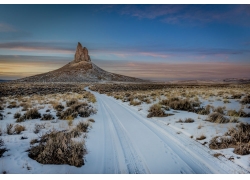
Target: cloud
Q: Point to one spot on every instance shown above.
(38, 46)
(178, 14)
(178, 71)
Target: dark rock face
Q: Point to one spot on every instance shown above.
(81, 54)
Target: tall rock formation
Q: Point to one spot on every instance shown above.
(81, 69)
(81, 54)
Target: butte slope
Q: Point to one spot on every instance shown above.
(81, 69)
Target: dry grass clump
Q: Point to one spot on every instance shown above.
(178, 104)
(216, 117)
(156, 111)
(30, 114)
(17, 115)
(13, 104)
(25, 106)
(71, 102)
(135, 103)
(246, 100)
(2, 150)
(58, 148)
(219, 109)
(236, 96)
(239, 113)
(187, 120)
(9, 129)
(18, 129)
(82, 126)
(238, 138)
(201, 137)
(38, 127)
(202, 110)
(81, 109)
(58, 107)
(47, 117)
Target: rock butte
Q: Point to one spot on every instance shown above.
(81, 69)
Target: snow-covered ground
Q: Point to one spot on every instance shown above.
(123, 140)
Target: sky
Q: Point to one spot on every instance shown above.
(155, 42)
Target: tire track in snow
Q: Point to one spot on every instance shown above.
(132, 160)
(199, 153)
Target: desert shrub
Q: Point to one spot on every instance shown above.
(156, 111)
(246, 100)
(92, 98)
(25, 106)
(217, 118)
(18, 129)
(34, 141)
(201, 110)
(219, 109)
(86, 112)
(21, 119)
(68, 113)
(38, 127)
(32, 114)
(9, 129)
(71, 102)
(82, 126)
(17, 115)
(239, 113)
(58, 107)
(187, 120)
(13, 105)
(2, 150)
(135, 103)
(236, 96)
(178, 104)
(58, 148)
(47, 117)
(238, 138)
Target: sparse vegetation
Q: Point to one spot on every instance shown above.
(47, 117)
(156, 111)
(217, 118)
(187, 120)
(2, 149)
(17, 115)
(238, 138)
(38, 127)
(18, 129)
(58, 148)
(246, 100)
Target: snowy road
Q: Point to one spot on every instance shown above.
(123, 141)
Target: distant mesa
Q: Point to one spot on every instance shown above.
(81, 69)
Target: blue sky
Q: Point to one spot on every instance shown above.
(157, 42)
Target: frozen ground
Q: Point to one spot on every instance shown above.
(124, 140)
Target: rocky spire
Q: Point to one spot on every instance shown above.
(81, 54)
